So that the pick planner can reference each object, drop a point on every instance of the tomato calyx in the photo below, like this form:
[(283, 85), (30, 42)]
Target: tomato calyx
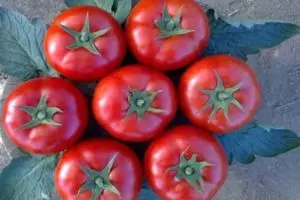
[(221, 98), (170, 26), (41, 114), (99, 181), (190, 170), (140, 103), (85, 39)]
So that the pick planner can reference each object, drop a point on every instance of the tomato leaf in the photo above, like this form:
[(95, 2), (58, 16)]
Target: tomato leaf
[(28, 177), (117, 8), (257, 140), (21, 54), (204, 5), (10, 84), (147, 193), (244, 37)]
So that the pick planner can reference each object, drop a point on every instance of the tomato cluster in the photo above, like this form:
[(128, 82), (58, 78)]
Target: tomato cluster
[(136, 103)]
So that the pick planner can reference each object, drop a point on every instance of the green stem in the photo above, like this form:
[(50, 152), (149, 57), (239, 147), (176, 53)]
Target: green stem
[(85, 38), (99, 181), (221, 98), (190, 170), (171, 26), (140, 103), (41, 114)]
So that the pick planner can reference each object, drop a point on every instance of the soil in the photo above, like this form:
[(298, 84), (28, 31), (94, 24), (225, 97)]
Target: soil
[(278, 69)]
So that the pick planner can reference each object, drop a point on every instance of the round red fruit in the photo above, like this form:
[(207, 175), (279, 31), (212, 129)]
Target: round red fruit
[(45, 115), (167, 34), (84, 43), (135, 103), (220, 93), (99, 169), (186, 164)]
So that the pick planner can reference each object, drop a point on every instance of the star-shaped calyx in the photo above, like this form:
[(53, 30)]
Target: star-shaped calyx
[(221, 98), (41, 114), (85, 39), (99, 181), (140, 103), (171, 26), (190, 170)]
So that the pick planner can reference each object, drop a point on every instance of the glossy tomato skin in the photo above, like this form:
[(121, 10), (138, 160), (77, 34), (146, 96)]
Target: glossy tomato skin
[(201, 76), (110, 103), (45, 139), (170, 53), (126, 174), (80, 64), (165, 152)]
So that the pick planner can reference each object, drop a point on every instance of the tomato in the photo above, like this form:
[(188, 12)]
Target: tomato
[(100, 167), (167, 34), (135, 103), (219, 93), (84, 43), (186, 164), (45, 115)]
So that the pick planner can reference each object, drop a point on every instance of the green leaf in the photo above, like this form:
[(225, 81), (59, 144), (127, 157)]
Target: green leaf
[(244, 37), (21, 53), (148, 194), (28, 178), (257, 140), (118, 8), (10, 84), (203, 5)]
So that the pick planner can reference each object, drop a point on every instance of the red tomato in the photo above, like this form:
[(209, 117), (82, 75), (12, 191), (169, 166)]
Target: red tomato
[(85, 43), (186, 164), (45, 115), (167, 34), (219, 93), (103, 168), (135, 103)]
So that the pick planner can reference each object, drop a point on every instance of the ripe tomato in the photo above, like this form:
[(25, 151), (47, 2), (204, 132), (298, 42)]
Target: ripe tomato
[(186, 164), (45, 115), (135, 103), (167, 34), (99, 168), (84, 43), (219, 93)]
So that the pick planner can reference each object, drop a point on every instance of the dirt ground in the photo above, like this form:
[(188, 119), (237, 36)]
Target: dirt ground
[(279, 72)]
